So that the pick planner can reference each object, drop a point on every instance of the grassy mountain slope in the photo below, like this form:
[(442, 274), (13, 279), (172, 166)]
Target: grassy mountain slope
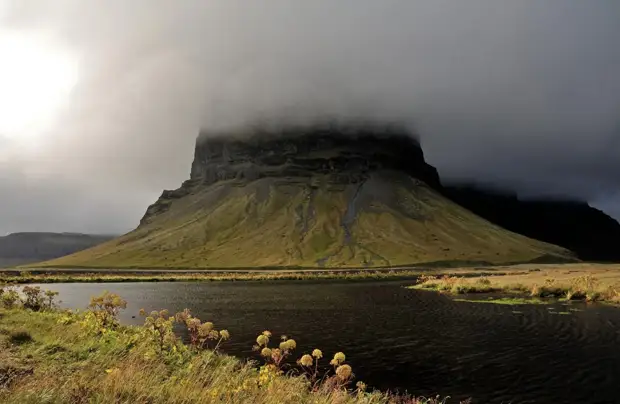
[(387, 219)]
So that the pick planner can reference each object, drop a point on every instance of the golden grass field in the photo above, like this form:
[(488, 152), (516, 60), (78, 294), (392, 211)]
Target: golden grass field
[(579, 281)]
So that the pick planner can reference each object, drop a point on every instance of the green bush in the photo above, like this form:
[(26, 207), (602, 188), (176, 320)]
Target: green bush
[(9, 297), (105, 309), (160, 325), (36, 299)]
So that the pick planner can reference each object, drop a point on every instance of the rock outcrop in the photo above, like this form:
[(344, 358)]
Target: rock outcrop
[(348, 154)]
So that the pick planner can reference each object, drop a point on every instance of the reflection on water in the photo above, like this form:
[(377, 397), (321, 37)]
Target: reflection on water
[(402, 339)]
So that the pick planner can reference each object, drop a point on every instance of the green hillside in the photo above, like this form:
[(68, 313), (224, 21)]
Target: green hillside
[(387, 219)]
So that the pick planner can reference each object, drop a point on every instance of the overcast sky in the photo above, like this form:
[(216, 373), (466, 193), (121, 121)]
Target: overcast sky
[(520, 93)]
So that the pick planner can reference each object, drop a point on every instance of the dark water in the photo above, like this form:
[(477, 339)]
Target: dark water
[(401, 339)]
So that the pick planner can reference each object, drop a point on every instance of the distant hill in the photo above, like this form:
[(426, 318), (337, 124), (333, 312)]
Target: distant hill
[(589, 232), (321, 196), (22, 248)]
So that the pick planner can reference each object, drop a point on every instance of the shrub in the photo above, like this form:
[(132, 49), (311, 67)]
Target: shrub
[(202, 335), (274, 356), (33, 298), (50, 295), (274, 360), (160, 325), (106, 308), (8, 297), (36, 299)]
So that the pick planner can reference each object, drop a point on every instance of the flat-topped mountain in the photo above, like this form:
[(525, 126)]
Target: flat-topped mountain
[(22, 248), (314, 196)]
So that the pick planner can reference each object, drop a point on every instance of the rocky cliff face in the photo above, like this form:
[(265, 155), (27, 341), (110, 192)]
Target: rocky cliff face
[(348, 155)]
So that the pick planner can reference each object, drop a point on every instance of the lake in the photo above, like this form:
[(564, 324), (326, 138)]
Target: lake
[(406, 340)]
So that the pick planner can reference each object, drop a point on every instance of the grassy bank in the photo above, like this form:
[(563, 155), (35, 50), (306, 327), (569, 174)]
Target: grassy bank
[(23, 277), (57, 277), (53, 356), (468, 279), (590, 283)]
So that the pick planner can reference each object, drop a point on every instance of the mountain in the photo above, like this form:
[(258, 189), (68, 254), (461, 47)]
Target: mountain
[(314, 196), (589, 232), (22, 248)]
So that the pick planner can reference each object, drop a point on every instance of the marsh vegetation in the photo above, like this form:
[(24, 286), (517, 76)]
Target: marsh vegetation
[(586, 287)]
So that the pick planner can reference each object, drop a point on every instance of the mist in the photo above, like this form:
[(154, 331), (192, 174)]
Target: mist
[(523, 95)]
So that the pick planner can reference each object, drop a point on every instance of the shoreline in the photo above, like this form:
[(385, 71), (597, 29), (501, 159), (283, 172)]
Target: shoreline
[(215, 277), (86, 275), (502, 276), (66, 356)]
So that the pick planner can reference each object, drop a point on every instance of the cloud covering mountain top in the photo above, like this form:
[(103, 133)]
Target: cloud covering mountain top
[(522, 94)]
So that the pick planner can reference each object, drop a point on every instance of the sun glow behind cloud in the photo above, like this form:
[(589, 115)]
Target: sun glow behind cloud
[(36, 79)]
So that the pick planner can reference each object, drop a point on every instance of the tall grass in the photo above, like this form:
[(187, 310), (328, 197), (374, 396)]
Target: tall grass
[(456, 285), (585, 287)]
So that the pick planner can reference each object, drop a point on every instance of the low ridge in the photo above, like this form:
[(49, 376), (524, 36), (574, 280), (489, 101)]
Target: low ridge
[(27, 247), (315, 196)]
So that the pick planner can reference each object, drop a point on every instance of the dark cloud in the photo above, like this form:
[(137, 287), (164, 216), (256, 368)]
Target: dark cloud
[(30, 204), (524, 94)]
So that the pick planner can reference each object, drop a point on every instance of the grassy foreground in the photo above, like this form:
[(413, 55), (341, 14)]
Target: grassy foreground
[(53, 356), (589, 282)]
